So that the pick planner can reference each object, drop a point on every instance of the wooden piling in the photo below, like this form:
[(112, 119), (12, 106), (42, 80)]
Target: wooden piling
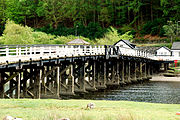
[(129, 72), (1, 86), (18, 78), (122, 73), (58, 81)]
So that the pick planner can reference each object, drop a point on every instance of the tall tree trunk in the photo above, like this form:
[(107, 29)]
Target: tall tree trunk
[(151, 10), (128, 13)]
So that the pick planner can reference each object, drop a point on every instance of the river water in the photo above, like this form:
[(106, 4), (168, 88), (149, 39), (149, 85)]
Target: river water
[(154, 92)]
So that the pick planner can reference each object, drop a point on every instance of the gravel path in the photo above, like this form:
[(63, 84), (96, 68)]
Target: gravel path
[(162, 78)]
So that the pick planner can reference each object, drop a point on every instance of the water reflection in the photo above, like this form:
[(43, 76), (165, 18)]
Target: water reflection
[(155, 92)]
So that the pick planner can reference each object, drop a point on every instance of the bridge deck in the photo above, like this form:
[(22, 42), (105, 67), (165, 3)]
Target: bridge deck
[(24, 53)]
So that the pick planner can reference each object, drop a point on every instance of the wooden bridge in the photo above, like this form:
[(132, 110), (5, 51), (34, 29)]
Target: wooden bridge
[(41, 71)]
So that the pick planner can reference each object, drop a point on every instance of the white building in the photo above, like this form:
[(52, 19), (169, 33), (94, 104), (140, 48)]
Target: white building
[(163, 51), (176, 50), (126, 47), (125, 44)]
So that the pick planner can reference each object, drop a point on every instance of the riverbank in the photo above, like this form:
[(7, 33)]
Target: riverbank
[(163, 78), (48, 109)]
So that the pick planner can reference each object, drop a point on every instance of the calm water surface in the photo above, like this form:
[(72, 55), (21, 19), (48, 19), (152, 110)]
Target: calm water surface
[(155, 92)]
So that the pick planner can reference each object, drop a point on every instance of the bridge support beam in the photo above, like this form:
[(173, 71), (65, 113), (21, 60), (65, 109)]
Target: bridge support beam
[(90, 76), (101, 74), (149, 70), (122, 76), (67, 80), (113, 74), (1, 86), (144, 71), (129, 71), (133, 71)]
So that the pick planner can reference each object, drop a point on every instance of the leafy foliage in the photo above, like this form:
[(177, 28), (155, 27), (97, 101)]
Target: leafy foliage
[(17, 34), (93, 17), (112, 37), (170, 30)]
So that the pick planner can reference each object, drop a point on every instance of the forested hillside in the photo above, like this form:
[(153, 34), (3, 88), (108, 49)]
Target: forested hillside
[(91, 18)]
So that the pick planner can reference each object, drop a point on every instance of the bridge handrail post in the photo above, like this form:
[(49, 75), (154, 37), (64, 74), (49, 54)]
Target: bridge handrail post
[(50, 50), (72, 50), (7, 51), (84, 49), (98, 50), (41, 50), (57, 50), (19, 51), (90, 49), (26, 50), (79, 49), (30, 51)]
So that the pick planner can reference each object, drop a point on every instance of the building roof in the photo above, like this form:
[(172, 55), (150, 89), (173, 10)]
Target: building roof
[(165, 48), (78, 42), (152, 49), (127, 42), (175, 46), (149, 49)]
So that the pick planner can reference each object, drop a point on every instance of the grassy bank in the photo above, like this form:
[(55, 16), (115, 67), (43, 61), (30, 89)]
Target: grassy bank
[(76, 110)]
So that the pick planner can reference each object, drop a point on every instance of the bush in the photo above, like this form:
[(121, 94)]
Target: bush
[(42, 38), (154, 30), (112, 36), (162, 32), (17, 34)]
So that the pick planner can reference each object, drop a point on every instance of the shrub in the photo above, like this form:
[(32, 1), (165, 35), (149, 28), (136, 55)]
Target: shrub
[(17, 34), (112, 36), (154, 30), (42, 38)]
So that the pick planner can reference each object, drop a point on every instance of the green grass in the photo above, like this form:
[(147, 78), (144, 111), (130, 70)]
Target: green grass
[(48, 109), (176, 69)]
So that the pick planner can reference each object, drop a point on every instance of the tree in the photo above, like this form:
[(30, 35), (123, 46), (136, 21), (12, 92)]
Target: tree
[(170, 30)]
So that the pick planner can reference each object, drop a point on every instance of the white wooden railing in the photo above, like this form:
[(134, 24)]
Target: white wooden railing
[(12, 53)]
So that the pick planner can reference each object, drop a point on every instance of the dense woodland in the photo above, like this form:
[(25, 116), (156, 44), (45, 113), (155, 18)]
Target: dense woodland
[(91, 18)]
